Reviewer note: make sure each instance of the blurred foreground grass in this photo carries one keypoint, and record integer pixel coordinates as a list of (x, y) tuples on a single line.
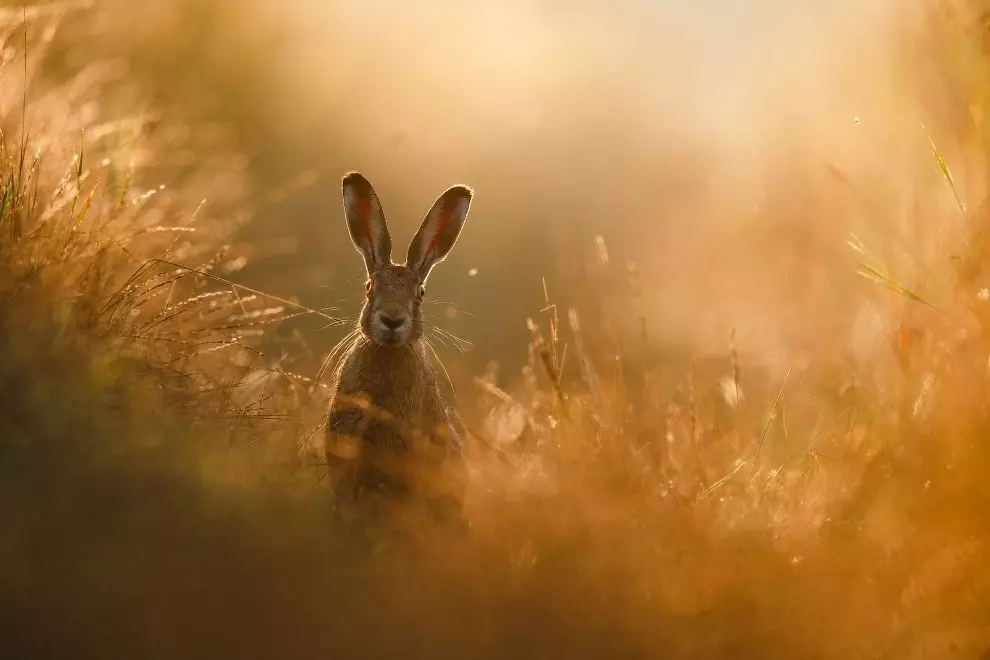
[(160, 495)]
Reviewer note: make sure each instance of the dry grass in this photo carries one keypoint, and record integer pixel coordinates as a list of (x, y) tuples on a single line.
[(161, 496)]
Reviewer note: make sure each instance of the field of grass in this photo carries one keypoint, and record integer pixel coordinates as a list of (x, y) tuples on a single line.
[(162, 493)]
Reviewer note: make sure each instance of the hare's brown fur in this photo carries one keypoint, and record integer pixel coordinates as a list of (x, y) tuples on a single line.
[(388, 428)]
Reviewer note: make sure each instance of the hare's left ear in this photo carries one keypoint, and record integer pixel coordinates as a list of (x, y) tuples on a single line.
[(439, 231)]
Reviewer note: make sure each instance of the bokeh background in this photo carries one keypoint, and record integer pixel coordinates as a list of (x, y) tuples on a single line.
[(707, 142)]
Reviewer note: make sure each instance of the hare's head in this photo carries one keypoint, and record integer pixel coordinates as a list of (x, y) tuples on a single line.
[(392, 314)]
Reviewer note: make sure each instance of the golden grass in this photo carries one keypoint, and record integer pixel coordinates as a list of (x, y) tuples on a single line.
[(161, 495)]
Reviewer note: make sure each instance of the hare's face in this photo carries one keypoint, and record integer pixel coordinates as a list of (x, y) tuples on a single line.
[(392, 314)]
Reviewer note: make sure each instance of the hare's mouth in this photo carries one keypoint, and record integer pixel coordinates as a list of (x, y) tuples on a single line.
[(391, 338)]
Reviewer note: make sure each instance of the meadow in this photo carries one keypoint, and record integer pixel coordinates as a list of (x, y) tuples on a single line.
[(719, 438)]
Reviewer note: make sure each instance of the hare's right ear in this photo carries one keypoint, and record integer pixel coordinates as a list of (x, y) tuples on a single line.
[(366, 222)]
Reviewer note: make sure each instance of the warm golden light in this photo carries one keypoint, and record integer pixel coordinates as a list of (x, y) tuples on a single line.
[(714, 332)]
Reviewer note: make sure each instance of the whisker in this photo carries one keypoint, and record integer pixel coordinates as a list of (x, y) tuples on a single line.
[(446, 341), (461, 343), (440, 338), (335, 352), (339, 322), (450, 304), (335, 324), (448, 333), (442, 368)]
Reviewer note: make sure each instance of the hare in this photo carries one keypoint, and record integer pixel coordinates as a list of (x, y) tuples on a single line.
[(388, 428)]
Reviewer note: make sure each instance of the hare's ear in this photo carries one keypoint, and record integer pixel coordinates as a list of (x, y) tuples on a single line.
[(366, 222), (439, 231)]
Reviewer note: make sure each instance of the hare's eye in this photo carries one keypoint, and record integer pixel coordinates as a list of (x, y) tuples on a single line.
[(369, 287), (421, 292)]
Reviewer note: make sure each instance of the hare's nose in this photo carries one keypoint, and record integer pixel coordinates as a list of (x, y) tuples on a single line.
[(392, 323)]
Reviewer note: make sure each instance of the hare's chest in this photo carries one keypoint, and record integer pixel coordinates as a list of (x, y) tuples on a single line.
[(396, 385), (400, 395)]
